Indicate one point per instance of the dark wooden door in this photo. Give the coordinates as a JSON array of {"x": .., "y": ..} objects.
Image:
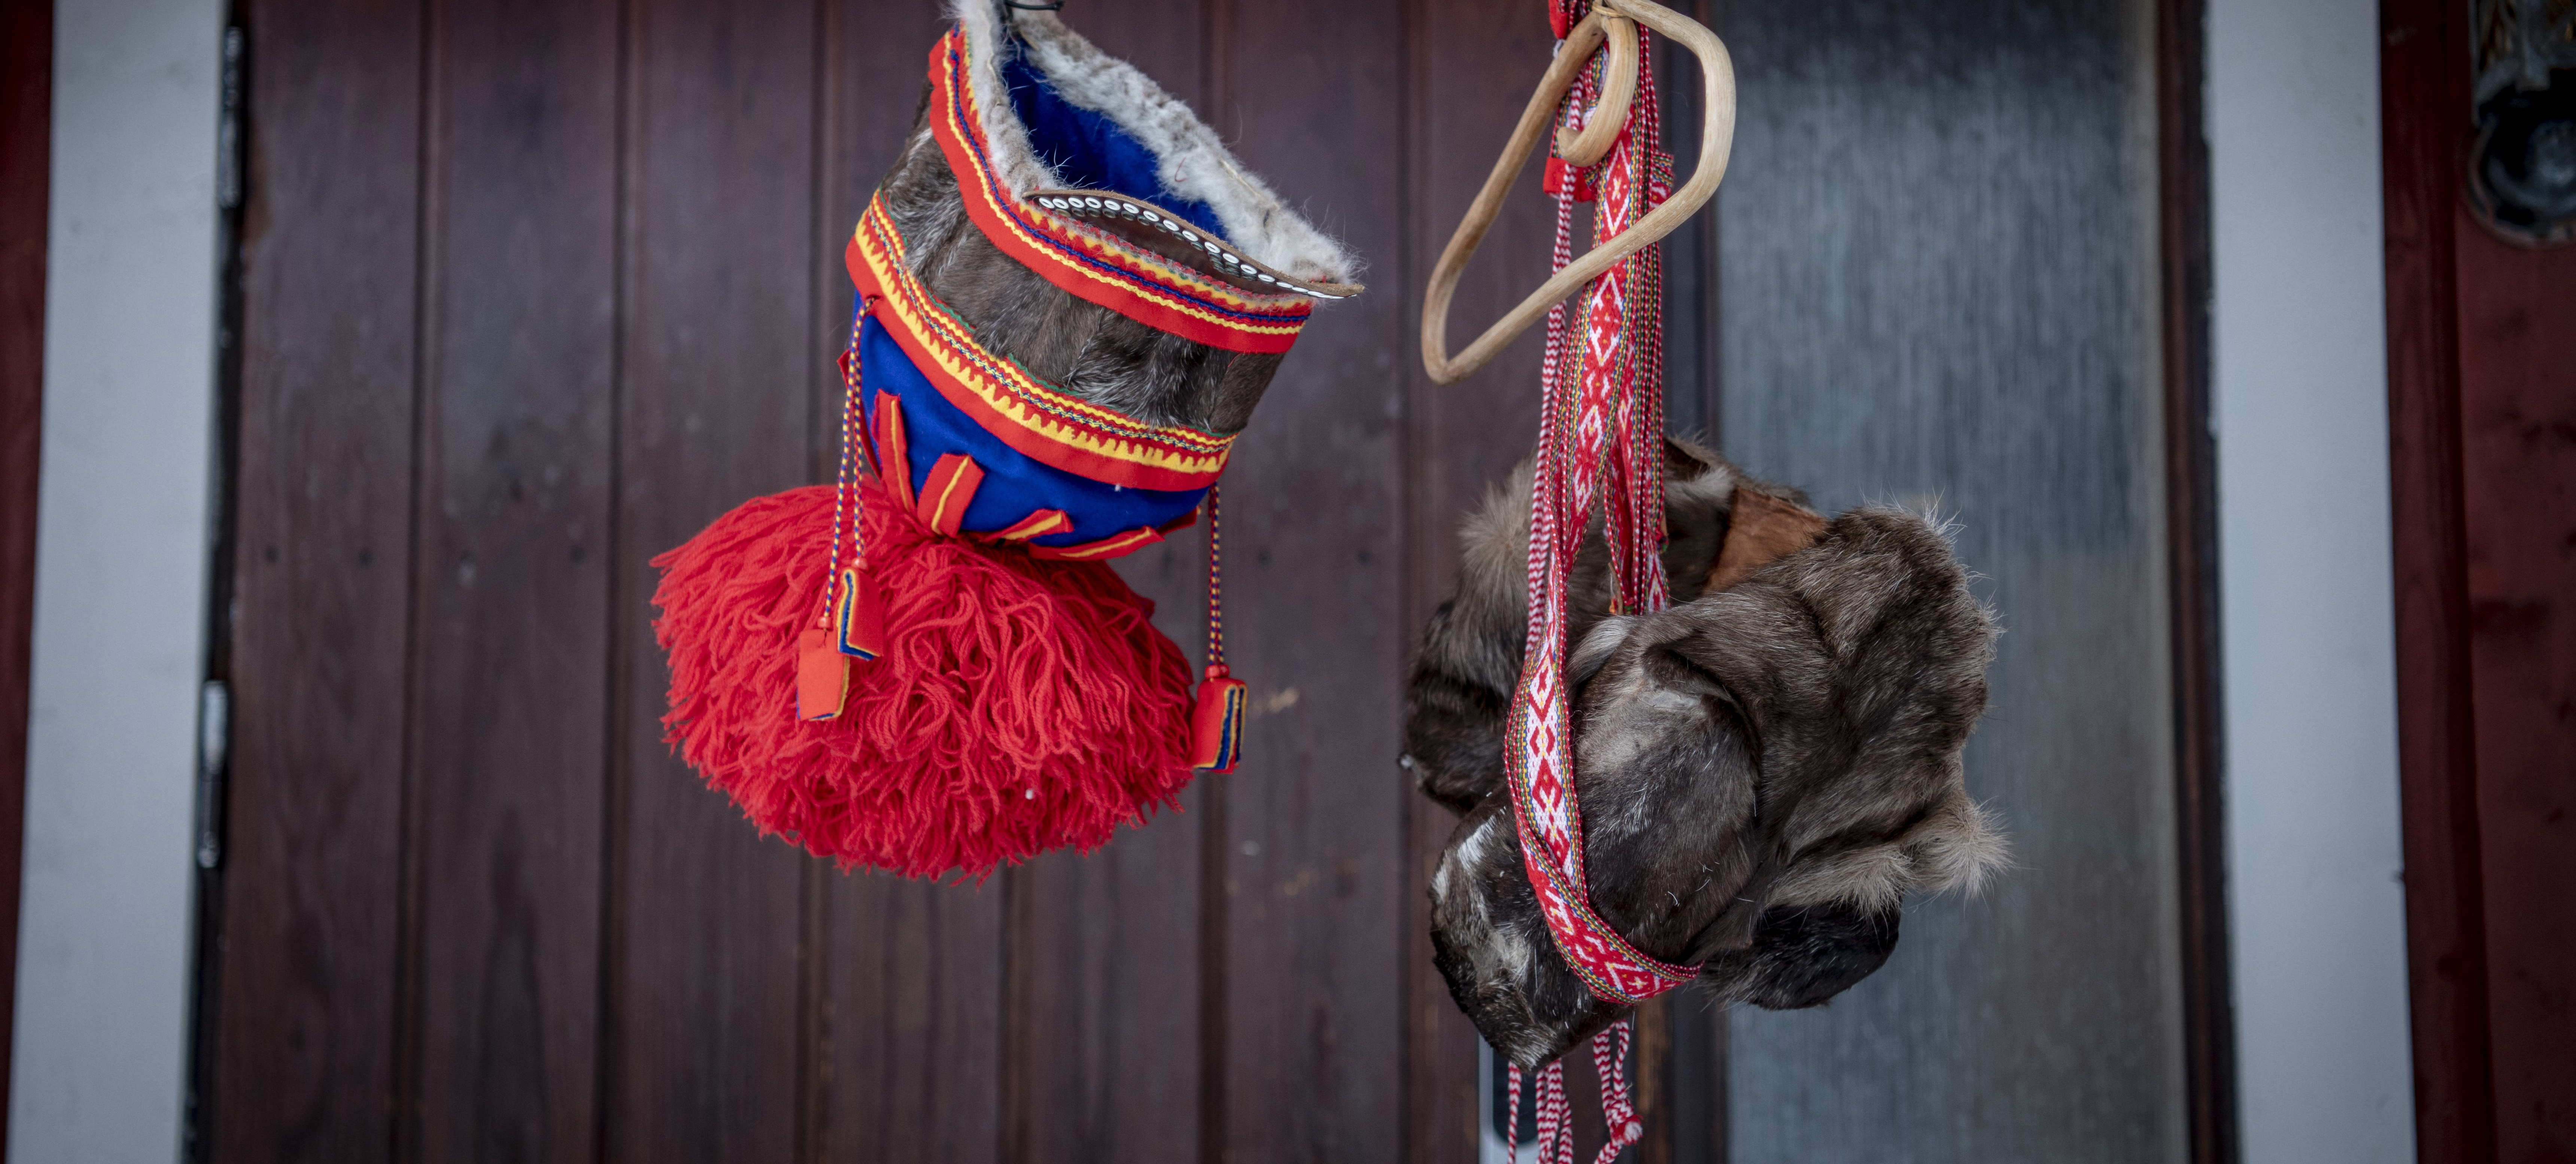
[
  {"x": 530, "y": 293},
  {"x": 2482, "y": 337}
]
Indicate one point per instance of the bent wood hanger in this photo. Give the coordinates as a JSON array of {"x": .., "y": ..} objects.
[
  {"x": 1717, "y": 136},
  {"x": 1609, "y": 115}
]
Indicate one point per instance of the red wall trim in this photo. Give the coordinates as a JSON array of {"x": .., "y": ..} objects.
[
  {"x": 26, "y": 154},
  {"x": 2423, "y": 116}
]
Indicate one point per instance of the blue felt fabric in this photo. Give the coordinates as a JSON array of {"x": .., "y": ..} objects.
[
  {"x": 1090, "y": 151},
  {"x": 1015, "y": 485}
]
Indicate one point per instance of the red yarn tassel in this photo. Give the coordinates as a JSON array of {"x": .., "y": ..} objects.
[{"x": 1017, "y": 706}]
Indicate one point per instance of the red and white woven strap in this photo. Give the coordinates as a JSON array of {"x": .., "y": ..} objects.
[
  {"x": 1600, "y": 430},
  {"x": 1600, "y": 442}
]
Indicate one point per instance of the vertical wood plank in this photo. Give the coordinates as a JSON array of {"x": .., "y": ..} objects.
[
  {"x": 2518, "y": 443},
  {"x": 26, "y": 137},
  {"x": 303, "y": 1062},
  {"x": 1315, "y": 876},
  {"x": 511, "y": 706},
  {"x": 907, "y": 981},
  {"x": 717, "y": 356},
  {"x": 913, "y": 1032},
  {"x": 2423, "y": 86}
]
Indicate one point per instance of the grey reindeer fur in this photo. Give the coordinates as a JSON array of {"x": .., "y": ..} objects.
[
  {"x": 1471, "y": 651},
  {"x": 1765, "y": 772}
]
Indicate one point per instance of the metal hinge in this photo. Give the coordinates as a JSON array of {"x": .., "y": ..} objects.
[{"x": 214, "y": 741}]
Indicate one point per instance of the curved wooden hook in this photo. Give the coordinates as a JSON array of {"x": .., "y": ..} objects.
[
  {"x": 1717, "y": 136},
  {"x": 1610, "y": 114}
]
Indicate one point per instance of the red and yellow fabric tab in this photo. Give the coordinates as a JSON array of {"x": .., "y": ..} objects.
[
  {"x": 1038, "y": 524},
  {"x": 1216, "y": 723},
  {"x": 1084, "y": 260},
  {"x": 859, "y": 616},
  {"x": 953, "y": 481},
  {"x": 822, "y": 676}
]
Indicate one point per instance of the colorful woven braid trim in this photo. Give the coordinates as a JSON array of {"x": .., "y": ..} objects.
[
  {"x": 1091, "y": 263},
  {"x": 1039, "y": 420}
]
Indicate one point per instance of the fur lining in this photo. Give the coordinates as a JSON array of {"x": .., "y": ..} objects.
[
  {"x": 1194, "y": 161},
  {"x": 1954, "y": 847}
]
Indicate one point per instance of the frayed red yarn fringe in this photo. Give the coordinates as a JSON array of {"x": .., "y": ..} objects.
[{"x": 1020, "y": 706}]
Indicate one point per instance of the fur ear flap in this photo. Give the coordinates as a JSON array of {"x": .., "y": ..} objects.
[
  {"x": 1762, "y": 528},
  {"x": 1957, "y": 847}
]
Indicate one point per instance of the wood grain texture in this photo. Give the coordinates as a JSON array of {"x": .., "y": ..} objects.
[
  {"x": 913, "y": 1031},
  {"x": 2517, "y": 312},
  {"x": 26, "y": 136},
  {"x": 305, "y": 1021},
  {"x": 717, "y": 336},
  {"x": 511, "y": 702},
  {"x": 1314, "y": 876},
  {"x": 2423, "y": 83},
  {"x": 1695, "y": 1069}
]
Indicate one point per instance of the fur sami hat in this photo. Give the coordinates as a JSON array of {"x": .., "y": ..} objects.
[
  {"x": 1070, "y": 299},
  {"x": 1767, "y": 767}
]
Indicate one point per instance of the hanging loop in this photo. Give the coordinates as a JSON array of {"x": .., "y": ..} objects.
[
  {"x": 1717, "y": 136},
  {"x": 1608, "y": 116}
]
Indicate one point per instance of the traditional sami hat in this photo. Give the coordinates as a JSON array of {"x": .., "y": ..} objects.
[{"x": 1071, "y": 298}]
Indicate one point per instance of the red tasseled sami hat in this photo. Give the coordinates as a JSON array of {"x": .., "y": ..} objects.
[{"x": 1070, "y": 299}]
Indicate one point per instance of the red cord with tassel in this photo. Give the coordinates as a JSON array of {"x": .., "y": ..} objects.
[{"x": 1216, "y": 724}]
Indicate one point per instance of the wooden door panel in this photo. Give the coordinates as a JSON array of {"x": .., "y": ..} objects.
[
  {"x": 1463, "y": 439},
  {"x": 303, "y": 983},
  {"x": 511, "y": 705},
  {"x": 912, "y": 1057},
  {"x": 532, "y": 294},
  {"x": 717, "y": 359},
  {"x": 906, "y": 977}
]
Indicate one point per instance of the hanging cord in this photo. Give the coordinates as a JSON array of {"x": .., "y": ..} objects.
[
  {"x": 1610, "y": 1065},
  {"x": 1555, "y": 1115},
  {"x": 1216, "y": 584},
  {"x": 1216, "y": 722},
  {"x": 845, "y": 499},
  {"x": 1547, "y": 1102}
]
